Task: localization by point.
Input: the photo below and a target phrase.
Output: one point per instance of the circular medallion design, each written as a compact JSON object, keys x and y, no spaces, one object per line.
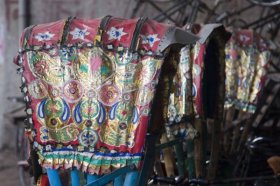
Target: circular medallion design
{"x":37,"y":89}
{"x":109,"y":94}
{"x":124,"y":111}
{"x":123,"y":58}
{"x":54,"y":108}
{"x":73,"y":91}
{"x":89,"y":109}
{"x":88,"y":138}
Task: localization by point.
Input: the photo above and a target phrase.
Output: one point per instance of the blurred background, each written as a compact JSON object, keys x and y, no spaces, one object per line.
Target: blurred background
{"x":15,"y":15}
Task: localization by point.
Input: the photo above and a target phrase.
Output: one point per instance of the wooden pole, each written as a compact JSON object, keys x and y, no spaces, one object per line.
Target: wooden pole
{"x":215,"y":147}
{"x":236,"y":133}
{"x":199,"y":149}
{"x":228,"y":123}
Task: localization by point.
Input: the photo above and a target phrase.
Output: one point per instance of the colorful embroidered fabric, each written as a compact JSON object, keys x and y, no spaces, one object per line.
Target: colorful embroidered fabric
{"x":197,"y":76}
{"x":198,"y":65}
{"x":231,"y":73}
{"x":89,"y":91}
{"x":185,"y":101}
{"x":180,"y":103}
{"x":247,"y":56}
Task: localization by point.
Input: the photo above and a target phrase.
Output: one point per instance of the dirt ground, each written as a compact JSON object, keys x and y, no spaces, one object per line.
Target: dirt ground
{"x":8,"y":168}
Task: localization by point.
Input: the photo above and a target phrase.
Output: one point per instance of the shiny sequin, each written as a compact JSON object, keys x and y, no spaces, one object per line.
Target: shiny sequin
{"x":109,"y":94}
{"x":73,"y":91}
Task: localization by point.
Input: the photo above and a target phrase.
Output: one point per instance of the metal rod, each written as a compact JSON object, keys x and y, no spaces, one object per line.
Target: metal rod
{"x":231,"y":14}
{"x":264,"y":12}
{"x":234,"y":180}
{"x":193,"y":14}
{"x":170,"y":9}
{"x":242,"y":10}
{"x":136,"y":8}
{"x":174,"y":11}
{"x":262,"y":20}
{"x":169,"y":144}
{"x":265,"y":22}
{"x":159,"y":9}
{"x":109,"y":177}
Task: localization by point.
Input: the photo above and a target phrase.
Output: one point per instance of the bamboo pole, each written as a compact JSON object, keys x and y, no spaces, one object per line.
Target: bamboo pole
{"x":168,"y":157}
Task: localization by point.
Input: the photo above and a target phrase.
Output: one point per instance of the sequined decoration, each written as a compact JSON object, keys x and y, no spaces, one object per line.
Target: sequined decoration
{"x":73,"y":91}
{"x":109,"y":94}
